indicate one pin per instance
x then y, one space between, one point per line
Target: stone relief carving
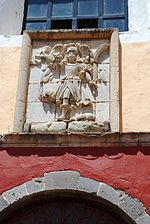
70 81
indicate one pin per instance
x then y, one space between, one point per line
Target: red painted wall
124 168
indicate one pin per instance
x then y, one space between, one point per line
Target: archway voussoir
16 193
88 185
61 180
35 185
144 219
71 180
132 207
3 203
110 194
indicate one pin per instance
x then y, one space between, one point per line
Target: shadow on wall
85 152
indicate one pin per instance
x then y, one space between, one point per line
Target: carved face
58 57
57 52
84 50
71 54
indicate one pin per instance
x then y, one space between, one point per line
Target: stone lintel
132 139
70 34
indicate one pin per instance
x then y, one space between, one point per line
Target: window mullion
114 16
100 22
74 23
126 13
100 13
101 7
75 12
49 13
75 8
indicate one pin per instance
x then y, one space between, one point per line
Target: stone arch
99 51
102 48
71 181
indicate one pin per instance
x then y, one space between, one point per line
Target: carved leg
66 97
65 105
63 114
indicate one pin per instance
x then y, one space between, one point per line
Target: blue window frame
72 14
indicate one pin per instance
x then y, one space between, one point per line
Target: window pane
37 8
62 8
114 23
113 6
88 7
87 23
36 26
61 24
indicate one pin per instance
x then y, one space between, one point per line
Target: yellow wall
135 86
9 60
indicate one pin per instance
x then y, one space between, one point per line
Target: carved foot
85 117
72 119
85 103
61 118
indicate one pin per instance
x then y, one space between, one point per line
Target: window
72 14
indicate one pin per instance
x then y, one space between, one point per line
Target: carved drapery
70 81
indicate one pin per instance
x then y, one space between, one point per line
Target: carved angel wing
42 53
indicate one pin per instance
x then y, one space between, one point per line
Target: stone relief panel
68 87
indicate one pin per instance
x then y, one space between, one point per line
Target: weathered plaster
10 40
9 60
19 165
134 36
148 15
11 16
138 15
135 86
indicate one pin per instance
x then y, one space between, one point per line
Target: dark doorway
61 208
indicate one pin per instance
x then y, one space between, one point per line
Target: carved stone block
35 74
70 88
85 127
57 127
39 127
102 112
102 92
40 112
33 92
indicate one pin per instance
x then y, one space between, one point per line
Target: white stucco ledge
10 40
125 37
134 36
